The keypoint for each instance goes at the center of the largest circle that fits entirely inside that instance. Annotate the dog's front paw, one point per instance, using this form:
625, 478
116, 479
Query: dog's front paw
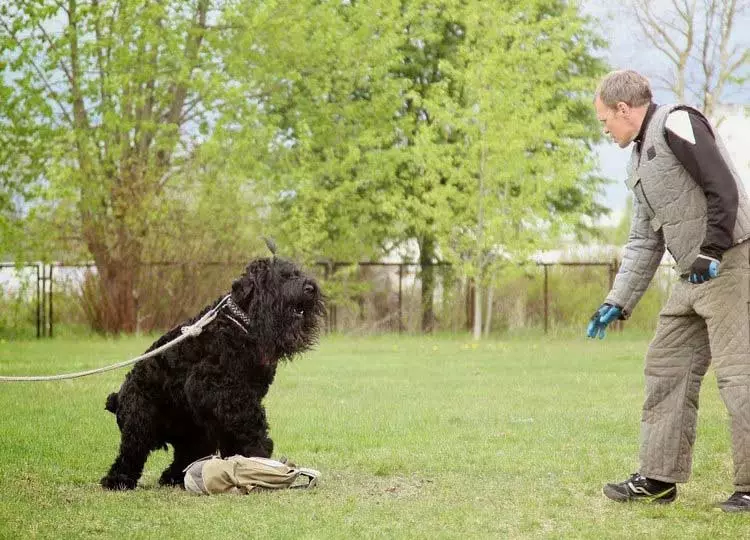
118, 482
267, 445
168, 478
257, 450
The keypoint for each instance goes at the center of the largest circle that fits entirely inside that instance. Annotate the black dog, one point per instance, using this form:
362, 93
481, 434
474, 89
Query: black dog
204, 394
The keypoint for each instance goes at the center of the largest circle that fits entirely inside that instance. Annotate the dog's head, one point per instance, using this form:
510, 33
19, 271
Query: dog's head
285, 306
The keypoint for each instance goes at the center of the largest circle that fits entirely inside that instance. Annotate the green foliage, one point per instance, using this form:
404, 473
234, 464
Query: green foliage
527, 82
319, 71
375, 120
145, 131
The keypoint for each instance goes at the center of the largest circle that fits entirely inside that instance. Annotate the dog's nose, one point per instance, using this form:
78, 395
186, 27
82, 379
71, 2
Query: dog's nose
309, 288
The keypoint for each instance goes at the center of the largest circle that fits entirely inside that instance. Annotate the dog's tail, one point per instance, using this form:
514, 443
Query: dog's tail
112, 403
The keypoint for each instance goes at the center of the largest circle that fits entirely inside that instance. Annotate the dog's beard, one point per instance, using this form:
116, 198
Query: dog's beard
301, 323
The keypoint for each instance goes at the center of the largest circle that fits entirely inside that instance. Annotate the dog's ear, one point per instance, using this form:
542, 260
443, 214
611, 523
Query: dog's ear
244, 287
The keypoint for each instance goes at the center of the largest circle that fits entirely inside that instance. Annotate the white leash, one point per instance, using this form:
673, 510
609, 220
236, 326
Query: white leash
187, 331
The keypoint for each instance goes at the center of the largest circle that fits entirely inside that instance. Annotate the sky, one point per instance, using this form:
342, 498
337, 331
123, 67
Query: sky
628, 50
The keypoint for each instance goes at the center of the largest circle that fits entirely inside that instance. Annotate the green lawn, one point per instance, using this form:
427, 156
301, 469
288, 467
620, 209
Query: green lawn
415, 438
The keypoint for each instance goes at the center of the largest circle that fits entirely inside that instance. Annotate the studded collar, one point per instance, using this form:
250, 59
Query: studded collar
234, 313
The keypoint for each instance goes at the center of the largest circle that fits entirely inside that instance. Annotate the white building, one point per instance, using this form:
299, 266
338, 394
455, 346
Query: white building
733, 123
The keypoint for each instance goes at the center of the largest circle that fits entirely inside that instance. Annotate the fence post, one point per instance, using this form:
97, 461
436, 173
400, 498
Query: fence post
38, 303
44, 322
51, 324
546, 299
334, 314
326, 272
400, 298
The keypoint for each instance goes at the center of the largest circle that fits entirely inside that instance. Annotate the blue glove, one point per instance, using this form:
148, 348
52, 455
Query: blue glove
703, 269
599, 320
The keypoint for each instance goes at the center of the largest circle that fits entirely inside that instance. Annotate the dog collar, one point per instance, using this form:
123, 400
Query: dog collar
235, 311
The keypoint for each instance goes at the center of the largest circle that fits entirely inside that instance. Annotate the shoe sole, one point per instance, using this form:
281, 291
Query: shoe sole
734, 508
615, 495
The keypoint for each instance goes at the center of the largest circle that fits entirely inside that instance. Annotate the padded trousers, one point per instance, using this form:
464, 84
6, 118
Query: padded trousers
700, 324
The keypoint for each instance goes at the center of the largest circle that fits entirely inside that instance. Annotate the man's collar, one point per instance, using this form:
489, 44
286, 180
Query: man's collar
644, 125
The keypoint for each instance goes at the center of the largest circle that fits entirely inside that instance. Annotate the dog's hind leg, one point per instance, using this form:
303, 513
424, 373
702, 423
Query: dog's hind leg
137, 441
127, 468
185, 452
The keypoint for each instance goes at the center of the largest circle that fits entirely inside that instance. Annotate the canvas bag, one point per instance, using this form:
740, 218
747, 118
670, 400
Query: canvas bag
240, 474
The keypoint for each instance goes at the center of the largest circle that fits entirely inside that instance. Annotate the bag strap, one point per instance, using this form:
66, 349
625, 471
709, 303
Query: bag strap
311, 475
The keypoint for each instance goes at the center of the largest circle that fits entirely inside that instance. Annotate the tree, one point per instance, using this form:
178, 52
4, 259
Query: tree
429, 146
342, 127
327, 107
528, 128
377, 108
118, 96
704, 44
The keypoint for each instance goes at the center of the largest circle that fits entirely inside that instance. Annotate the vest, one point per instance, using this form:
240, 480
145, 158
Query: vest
672, 200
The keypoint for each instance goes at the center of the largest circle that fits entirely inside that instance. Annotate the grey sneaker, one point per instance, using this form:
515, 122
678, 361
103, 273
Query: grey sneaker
640, 488
738, 502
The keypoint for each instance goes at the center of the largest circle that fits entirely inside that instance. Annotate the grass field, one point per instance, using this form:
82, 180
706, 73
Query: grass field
415, 438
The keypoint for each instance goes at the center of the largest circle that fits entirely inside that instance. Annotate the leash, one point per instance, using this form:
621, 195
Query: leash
192, 330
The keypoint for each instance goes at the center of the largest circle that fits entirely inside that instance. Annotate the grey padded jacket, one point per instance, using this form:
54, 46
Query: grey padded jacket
669, 211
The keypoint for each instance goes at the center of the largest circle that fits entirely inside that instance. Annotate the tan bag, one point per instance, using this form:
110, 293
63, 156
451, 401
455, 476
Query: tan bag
240, 474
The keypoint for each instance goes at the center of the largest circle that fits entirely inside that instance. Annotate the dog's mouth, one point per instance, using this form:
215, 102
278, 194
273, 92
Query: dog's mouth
298, 312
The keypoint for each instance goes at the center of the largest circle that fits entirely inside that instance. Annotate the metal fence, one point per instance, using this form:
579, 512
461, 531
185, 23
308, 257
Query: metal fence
26, 295
365, 297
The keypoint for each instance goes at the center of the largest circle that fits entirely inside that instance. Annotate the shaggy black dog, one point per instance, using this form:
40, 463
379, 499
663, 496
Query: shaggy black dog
204, 394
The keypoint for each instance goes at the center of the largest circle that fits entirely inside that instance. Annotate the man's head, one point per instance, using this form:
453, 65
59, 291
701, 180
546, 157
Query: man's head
621, 102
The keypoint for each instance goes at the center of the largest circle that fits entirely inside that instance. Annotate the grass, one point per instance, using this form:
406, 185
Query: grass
415, 438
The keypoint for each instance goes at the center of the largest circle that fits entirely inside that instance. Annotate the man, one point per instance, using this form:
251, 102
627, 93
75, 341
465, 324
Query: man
689, 200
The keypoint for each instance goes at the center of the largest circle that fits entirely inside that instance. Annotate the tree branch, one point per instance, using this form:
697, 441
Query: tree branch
655, 25
52, 93
186, 115
53, 46
79, 109
179, 91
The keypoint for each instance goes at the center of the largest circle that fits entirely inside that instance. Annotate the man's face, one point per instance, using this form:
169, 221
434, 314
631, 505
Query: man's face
617, 122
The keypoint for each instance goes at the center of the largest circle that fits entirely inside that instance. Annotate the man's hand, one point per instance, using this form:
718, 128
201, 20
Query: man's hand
703, 269
601, 318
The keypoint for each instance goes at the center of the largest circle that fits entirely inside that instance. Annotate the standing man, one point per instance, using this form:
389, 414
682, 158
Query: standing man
688, 199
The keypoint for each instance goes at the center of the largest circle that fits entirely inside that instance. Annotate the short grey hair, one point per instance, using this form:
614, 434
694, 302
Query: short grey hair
624, 85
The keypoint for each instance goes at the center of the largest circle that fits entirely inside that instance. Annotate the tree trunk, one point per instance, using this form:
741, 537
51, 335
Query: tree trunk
120, 288
488, 311
470, 291
118, 282
426, 258
477, 331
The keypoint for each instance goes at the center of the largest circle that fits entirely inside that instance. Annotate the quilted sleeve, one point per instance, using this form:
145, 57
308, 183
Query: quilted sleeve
640, 260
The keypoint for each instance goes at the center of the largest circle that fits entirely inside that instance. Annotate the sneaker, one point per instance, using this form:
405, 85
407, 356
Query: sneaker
738, 502
640, 488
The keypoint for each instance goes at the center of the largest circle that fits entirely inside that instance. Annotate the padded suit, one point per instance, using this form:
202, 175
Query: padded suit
699, 325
